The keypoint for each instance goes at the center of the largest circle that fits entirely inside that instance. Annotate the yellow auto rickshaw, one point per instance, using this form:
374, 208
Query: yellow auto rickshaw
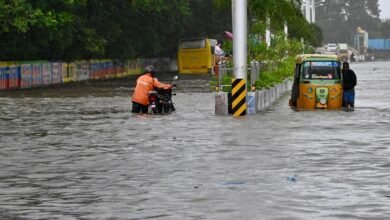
317, 82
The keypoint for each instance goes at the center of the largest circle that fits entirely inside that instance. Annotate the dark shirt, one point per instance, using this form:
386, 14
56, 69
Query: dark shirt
349, 79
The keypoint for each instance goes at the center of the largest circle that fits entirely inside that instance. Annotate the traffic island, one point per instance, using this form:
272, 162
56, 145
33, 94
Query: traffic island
256, 100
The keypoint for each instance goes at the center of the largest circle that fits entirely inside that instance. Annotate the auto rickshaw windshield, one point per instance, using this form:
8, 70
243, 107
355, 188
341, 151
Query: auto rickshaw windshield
321, 70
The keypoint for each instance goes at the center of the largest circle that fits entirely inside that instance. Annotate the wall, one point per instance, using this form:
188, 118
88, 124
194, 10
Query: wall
379, 44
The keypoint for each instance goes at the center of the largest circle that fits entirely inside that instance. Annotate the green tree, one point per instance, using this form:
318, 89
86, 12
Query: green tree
40, 31
118, 29
17, 15
279, 12
207, 20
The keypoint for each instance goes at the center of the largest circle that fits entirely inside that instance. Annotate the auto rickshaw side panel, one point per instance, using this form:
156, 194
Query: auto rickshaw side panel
335, 98
306, 98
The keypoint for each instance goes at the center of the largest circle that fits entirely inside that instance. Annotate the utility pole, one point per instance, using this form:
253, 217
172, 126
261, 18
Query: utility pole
313, 11
307, 10
239, 57
268, 31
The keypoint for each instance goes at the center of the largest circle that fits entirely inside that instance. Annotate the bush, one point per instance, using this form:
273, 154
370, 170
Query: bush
276, 74
277, 61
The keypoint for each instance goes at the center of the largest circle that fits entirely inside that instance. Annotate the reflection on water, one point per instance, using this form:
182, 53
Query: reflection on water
85, 156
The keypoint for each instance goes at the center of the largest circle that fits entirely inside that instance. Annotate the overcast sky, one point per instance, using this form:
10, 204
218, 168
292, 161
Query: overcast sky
384, 6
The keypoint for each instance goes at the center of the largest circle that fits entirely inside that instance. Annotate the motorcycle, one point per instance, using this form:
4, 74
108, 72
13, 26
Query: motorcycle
160, 100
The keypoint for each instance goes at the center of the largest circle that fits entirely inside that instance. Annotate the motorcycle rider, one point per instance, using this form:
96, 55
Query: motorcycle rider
146, 83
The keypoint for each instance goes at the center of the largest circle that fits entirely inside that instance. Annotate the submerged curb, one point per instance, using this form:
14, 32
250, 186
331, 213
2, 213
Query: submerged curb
265, 98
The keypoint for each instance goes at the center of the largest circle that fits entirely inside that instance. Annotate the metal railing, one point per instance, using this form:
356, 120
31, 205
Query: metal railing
226, 72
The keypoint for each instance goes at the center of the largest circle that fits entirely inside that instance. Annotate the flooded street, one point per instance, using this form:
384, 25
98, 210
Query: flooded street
83, 155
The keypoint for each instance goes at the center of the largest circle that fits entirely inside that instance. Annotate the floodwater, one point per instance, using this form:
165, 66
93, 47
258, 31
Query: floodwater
67, 154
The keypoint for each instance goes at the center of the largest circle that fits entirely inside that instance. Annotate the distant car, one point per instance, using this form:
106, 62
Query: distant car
331, 47
343, 55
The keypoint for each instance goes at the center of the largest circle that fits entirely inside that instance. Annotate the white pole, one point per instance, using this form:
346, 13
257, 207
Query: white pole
285, 31
313, 11
240, 38
307, 10
268, 31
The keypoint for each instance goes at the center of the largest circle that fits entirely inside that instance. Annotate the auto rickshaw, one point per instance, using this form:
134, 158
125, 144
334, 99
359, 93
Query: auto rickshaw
317, 82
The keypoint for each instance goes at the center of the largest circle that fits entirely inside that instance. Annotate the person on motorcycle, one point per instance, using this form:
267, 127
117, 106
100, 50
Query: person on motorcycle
349, 83
146, 83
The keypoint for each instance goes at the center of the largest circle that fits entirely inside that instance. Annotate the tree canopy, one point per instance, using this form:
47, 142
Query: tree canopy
279, 12
124, 29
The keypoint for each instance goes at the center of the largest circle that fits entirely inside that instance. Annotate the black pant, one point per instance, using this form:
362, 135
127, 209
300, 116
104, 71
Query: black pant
139, 108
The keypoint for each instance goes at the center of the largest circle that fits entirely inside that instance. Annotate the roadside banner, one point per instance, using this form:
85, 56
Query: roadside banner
82, 72
14, 76
56, 72
36, 74
94, 70
46, 73
26, 75
3, 77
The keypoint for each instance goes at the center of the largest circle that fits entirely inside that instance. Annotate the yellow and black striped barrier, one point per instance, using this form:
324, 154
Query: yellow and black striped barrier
239, 97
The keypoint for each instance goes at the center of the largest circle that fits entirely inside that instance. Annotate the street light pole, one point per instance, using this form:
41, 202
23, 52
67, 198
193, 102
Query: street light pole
314, 6
239, 90
240, 38
307, 10
313, 11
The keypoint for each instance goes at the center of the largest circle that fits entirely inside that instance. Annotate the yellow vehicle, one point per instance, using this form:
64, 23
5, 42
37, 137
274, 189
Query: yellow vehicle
196, 56
317, 82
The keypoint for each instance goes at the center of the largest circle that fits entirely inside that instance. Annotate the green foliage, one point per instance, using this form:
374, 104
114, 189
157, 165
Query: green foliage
279, 12
17, 14
226, 83
121, 29
207, 20
277, 60
275, 73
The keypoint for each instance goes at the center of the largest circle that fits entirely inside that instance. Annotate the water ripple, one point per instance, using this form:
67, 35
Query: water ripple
86, 157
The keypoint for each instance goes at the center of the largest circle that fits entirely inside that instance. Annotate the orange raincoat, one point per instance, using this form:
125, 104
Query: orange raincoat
145, 84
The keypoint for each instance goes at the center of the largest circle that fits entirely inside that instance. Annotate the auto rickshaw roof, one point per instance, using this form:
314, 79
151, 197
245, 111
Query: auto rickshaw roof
316, 57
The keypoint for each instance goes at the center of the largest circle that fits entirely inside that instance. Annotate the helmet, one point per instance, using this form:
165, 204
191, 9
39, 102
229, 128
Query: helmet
151, 70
